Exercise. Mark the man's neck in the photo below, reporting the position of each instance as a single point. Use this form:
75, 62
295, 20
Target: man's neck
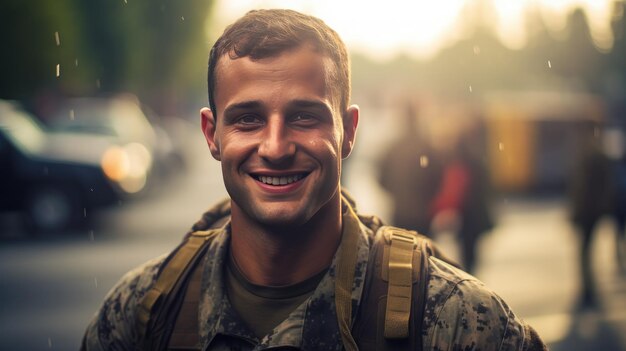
274, 256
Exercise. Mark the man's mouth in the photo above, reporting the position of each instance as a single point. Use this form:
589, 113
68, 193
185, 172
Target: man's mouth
280, 180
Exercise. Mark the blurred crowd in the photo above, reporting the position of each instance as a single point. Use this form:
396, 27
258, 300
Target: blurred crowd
438, 189
449, 185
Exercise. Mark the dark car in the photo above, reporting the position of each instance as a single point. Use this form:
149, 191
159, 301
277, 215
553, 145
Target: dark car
54, 178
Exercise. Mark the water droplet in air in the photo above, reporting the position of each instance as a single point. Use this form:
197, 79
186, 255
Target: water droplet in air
76, 62
476, 50
72, 114
85, 212
49, 342
92, 237
549, 64
470, 89
98, 83
501, 146
57, 38
95, 281
58, 70
423, 161
182, 18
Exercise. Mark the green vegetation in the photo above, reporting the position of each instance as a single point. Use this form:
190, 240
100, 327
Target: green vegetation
154, 48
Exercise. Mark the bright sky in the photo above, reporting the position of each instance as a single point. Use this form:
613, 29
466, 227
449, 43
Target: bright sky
384, 28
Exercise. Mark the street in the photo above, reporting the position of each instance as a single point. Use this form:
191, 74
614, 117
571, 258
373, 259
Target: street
53, 285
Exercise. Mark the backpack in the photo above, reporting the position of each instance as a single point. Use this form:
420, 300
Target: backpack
389, 316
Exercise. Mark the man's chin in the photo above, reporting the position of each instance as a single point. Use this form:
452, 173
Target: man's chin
280, 219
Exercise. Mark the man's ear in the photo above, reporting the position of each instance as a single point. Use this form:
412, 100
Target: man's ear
208, 129
350, 122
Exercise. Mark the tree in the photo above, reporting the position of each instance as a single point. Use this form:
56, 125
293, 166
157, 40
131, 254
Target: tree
36, 37
156, 49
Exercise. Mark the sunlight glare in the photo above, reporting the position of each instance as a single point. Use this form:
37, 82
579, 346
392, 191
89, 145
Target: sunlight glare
384, 29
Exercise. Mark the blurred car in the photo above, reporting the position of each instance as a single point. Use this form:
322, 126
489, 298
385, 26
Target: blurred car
121, 117
54, 178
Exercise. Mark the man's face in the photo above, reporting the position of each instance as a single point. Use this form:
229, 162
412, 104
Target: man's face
279, 135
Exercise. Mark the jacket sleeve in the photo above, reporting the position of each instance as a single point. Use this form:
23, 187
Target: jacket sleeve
113, 327
463, 314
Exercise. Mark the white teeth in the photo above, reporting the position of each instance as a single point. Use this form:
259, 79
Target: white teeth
280, 180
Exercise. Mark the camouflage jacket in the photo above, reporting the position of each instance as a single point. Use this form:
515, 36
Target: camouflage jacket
460, 312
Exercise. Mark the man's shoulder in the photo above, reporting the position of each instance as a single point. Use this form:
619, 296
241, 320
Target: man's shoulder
461, 311
114, 323
139, 279
133, 285
445, 272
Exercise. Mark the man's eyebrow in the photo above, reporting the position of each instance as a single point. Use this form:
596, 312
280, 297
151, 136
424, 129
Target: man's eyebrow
309, 104
255, 104
243, 105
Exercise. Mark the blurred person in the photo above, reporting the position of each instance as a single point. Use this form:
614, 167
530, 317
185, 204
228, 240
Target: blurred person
592, 196
463, 197
286, 262
613, 147
410, 172
620, 217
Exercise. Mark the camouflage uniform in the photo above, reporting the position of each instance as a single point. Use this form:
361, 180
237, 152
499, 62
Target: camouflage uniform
460, 312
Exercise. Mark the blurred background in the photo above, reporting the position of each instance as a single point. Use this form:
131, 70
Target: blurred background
495, 127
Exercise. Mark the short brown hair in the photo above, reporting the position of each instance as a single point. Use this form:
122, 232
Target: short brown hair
266, 33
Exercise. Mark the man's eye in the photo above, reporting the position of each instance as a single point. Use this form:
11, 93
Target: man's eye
249, 119
304, 118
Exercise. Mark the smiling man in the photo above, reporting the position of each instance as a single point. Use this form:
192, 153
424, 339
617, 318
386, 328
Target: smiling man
286, 262
280, 134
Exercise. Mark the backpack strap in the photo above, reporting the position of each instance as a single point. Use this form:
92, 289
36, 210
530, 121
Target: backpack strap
156, 305
346, 264
392, 306
185, 332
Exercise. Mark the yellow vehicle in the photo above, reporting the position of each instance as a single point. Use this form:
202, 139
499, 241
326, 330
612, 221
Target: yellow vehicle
533, 137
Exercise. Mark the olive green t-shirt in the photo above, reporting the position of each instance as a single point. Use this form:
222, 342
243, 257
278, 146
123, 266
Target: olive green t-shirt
263, 307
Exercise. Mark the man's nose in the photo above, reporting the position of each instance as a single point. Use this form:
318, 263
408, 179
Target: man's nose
277, 146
